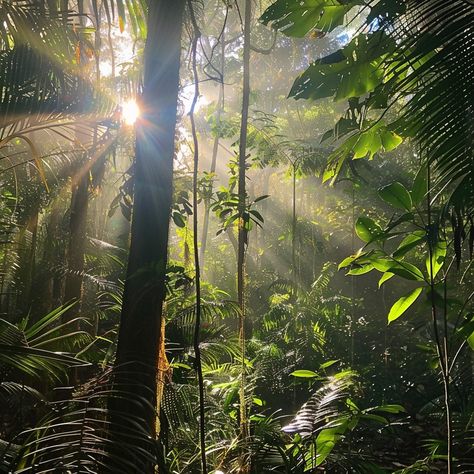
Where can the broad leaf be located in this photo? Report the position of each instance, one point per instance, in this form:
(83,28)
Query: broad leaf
(360,270)
(410,242)
(350,72)
(326,440)
(298,17)
(420,186)
(390,408)
(367,229)
(437,258)
(397,195)
(401,305)
(407,271)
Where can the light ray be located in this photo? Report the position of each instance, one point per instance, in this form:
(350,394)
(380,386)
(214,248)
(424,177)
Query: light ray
(130,112)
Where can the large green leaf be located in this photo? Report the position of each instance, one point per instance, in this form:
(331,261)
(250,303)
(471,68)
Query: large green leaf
(401,305)
(407,270)
(350,72)
(298,17)
(438,255)
(397,195)
(367,229)
(417,61)
(420,186)
(326,440)
(410,242)
(376,138)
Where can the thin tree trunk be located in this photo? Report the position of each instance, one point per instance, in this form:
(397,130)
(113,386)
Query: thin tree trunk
(78,217)
(293,231)
(441,343)
(142,311)
(215,148)
(243,231)
(77,241)
(197,266)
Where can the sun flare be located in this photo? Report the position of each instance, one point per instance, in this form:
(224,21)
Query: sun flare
(130,112)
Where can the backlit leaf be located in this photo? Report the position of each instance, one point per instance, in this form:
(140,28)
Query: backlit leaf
(385,277)
(401,305)
(420,186)
(397,195)
(304,373)
(407,271)
(437,258)
(410,242)
(367,229)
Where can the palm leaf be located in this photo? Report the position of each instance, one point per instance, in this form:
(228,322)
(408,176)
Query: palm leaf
(322,408)
(418,55)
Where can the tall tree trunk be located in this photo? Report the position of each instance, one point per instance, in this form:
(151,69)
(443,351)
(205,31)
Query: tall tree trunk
(142,310)
(243,230)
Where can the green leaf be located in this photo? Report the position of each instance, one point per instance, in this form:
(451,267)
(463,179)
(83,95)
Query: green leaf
(326,440)
(420,186)
(367,229)
(437,258)
(368,143)
(470,341)
(360,270)
(407,271)
(258,401)
(390,408)
(397,195)
(298,17)
(371,416)
(390,140)
(178,219)
(328,364)
(401,305)
(304,374)
(349,72)
(409,242)
(347,261)
(261,198)
(381,264)
(385,277)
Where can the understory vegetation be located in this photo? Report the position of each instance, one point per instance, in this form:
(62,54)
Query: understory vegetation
(236,236)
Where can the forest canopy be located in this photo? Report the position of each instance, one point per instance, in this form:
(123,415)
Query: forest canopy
(236,236)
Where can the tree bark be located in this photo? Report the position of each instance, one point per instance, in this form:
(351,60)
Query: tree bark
(142,311)
(243,230)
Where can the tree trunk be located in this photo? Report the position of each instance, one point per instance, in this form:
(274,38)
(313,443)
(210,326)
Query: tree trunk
(78,212)
(138,340)
(77,241)
(215,149)
(243,230)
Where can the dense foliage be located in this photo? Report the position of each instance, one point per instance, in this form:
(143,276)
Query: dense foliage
(271,270)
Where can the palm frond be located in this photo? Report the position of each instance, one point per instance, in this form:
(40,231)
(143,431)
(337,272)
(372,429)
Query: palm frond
(75,436)
(322,408)
(413,56)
